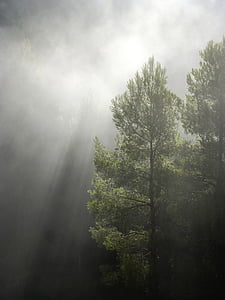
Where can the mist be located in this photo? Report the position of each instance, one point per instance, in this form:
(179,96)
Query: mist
(61,64)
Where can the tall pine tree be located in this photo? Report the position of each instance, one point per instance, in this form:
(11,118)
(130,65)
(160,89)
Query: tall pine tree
(204,117)
(131,182)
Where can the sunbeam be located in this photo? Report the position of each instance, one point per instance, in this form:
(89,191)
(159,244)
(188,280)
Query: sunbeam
(61,64)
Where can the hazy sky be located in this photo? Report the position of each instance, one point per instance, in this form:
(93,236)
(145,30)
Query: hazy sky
(56,55)
(91,48)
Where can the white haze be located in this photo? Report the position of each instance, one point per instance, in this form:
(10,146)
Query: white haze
(89,49)
(75,51)
(61,64)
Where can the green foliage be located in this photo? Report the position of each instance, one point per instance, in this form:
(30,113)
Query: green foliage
(205,109)
(130,182)
(146,113)
(204,116)
(157,198)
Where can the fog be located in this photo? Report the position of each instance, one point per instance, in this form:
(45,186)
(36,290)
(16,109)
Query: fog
(61,64)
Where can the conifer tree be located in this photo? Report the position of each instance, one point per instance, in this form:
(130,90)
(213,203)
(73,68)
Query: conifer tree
(204,118)
(130,183)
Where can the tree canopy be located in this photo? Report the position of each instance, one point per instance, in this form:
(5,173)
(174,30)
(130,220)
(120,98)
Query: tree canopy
(131,181)
(158,197)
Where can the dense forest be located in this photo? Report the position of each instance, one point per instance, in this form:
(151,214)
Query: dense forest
(158,197)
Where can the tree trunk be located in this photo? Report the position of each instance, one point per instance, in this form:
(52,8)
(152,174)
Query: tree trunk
(153,278)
